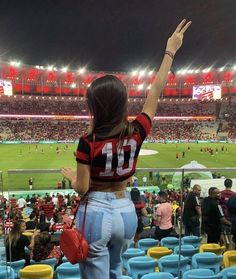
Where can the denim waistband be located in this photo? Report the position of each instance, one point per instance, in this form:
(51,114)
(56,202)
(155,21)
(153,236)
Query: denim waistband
(109,195)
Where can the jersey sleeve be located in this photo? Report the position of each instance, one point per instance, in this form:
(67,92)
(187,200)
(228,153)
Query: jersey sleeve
(83,152)
(143,123)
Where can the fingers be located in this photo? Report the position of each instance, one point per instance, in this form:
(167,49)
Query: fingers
(186,26)
(183,26)
(180,26)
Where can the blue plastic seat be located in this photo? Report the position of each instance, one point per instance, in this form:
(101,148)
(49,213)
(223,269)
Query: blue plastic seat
(186,250)
(125,277)
(158,275)
(52,262)
(215,276)
(146,243)
(192,240)
(171,264)
(170,242)
(17,266)
(197,272)
(207,260)
(2,253)
(231,275)
(7,272)
(228,270)
(139,266)
(68,270)
(131,253)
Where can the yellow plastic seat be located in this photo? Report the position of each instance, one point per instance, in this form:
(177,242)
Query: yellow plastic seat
(212,247)
(229,258)
(158,252)
(28,234)
(37,271)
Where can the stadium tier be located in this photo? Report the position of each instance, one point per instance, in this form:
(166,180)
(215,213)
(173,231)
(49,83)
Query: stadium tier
(38,80)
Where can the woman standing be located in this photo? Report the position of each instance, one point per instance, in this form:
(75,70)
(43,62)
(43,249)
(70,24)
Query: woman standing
(106,159)
(16,243)
(140,212)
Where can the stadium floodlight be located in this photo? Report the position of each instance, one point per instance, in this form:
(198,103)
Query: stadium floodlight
(150,73)
(73,85)
(142,73)
(183,72)
(221,69)
(207,70)
(41,67)
(15,63)
(197,71)
(190,71)
(179,72)
(140,86)
(50,68)
(234,67)
(134,72)
(55,69)
(64,69)
(82,71)
(37,67)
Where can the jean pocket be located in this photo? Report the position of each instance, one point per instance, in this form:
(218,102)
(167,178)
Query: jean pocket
(93,225)
(130,224)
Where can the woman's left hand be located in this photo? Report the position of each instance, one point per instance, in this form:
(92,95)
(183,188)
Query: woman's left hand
(69,174)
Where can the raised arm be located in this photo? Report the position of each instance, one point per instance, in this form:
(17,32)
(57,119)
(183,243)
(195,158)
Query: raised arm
(173,44)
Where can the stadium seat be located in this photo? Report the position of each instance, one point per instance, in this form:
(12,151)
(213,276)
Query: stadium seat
(146,243)
(212,247)
(68,270)
(158,275)
(171,264)
(215,276)
(192,240)
(228,270)
(197,272)
(37,271)
(158,252)
(6,272)
(186,250)
(52,262)
(131,253)
(229,258)
(17,266)
(207,260)
(231,275)
(2,253)
(170,242)
(138,266)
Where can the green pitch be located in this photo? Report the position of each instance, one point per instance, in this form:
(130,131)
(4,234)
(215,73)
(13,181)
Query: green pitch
(24,156)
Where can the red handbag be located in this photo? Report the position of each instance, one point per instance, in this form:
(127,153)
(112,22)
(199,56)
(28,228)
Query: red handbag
(72,242)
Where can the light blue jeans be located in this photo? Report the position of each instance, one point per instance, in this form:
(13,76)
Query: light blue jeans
(110,226)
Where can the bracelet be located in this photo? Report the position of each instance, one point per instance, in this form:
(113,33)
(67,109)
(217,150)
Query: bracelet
(170,54)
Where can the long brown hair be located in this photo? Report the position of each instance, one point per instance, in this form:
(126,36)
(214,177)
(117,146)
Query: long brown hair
(15,233)
(107,101)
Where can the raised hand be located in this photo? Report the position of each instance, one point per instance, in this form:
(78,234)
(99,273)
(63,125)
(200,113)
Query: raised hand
(69,173)
(176,39)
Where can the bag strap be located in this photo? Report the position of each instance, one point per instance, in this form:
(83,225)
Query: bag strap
(85,196)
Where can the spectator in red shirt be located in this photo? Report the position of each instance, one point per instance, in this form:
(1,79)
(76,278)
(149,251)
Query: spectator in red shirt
(48,209)
(13,201)
(225,195)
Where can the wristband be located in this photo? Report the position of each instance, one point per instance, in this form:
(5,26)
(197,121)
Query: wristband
(170,54)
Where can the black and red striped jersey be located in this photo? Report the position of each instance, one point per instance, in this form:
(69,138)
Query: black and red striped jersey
(114,160)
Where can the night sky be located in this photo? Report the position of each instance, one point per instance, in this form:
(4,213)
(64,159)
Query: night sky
(116,35)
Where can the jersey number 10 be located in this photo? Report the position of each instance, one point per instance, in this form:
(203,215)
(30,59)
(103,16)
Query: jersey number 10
(120,170)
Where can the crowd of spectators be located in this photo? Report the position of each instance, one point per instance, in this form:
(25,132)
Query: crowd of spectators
(45,129)
(77,106)
(36,130)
